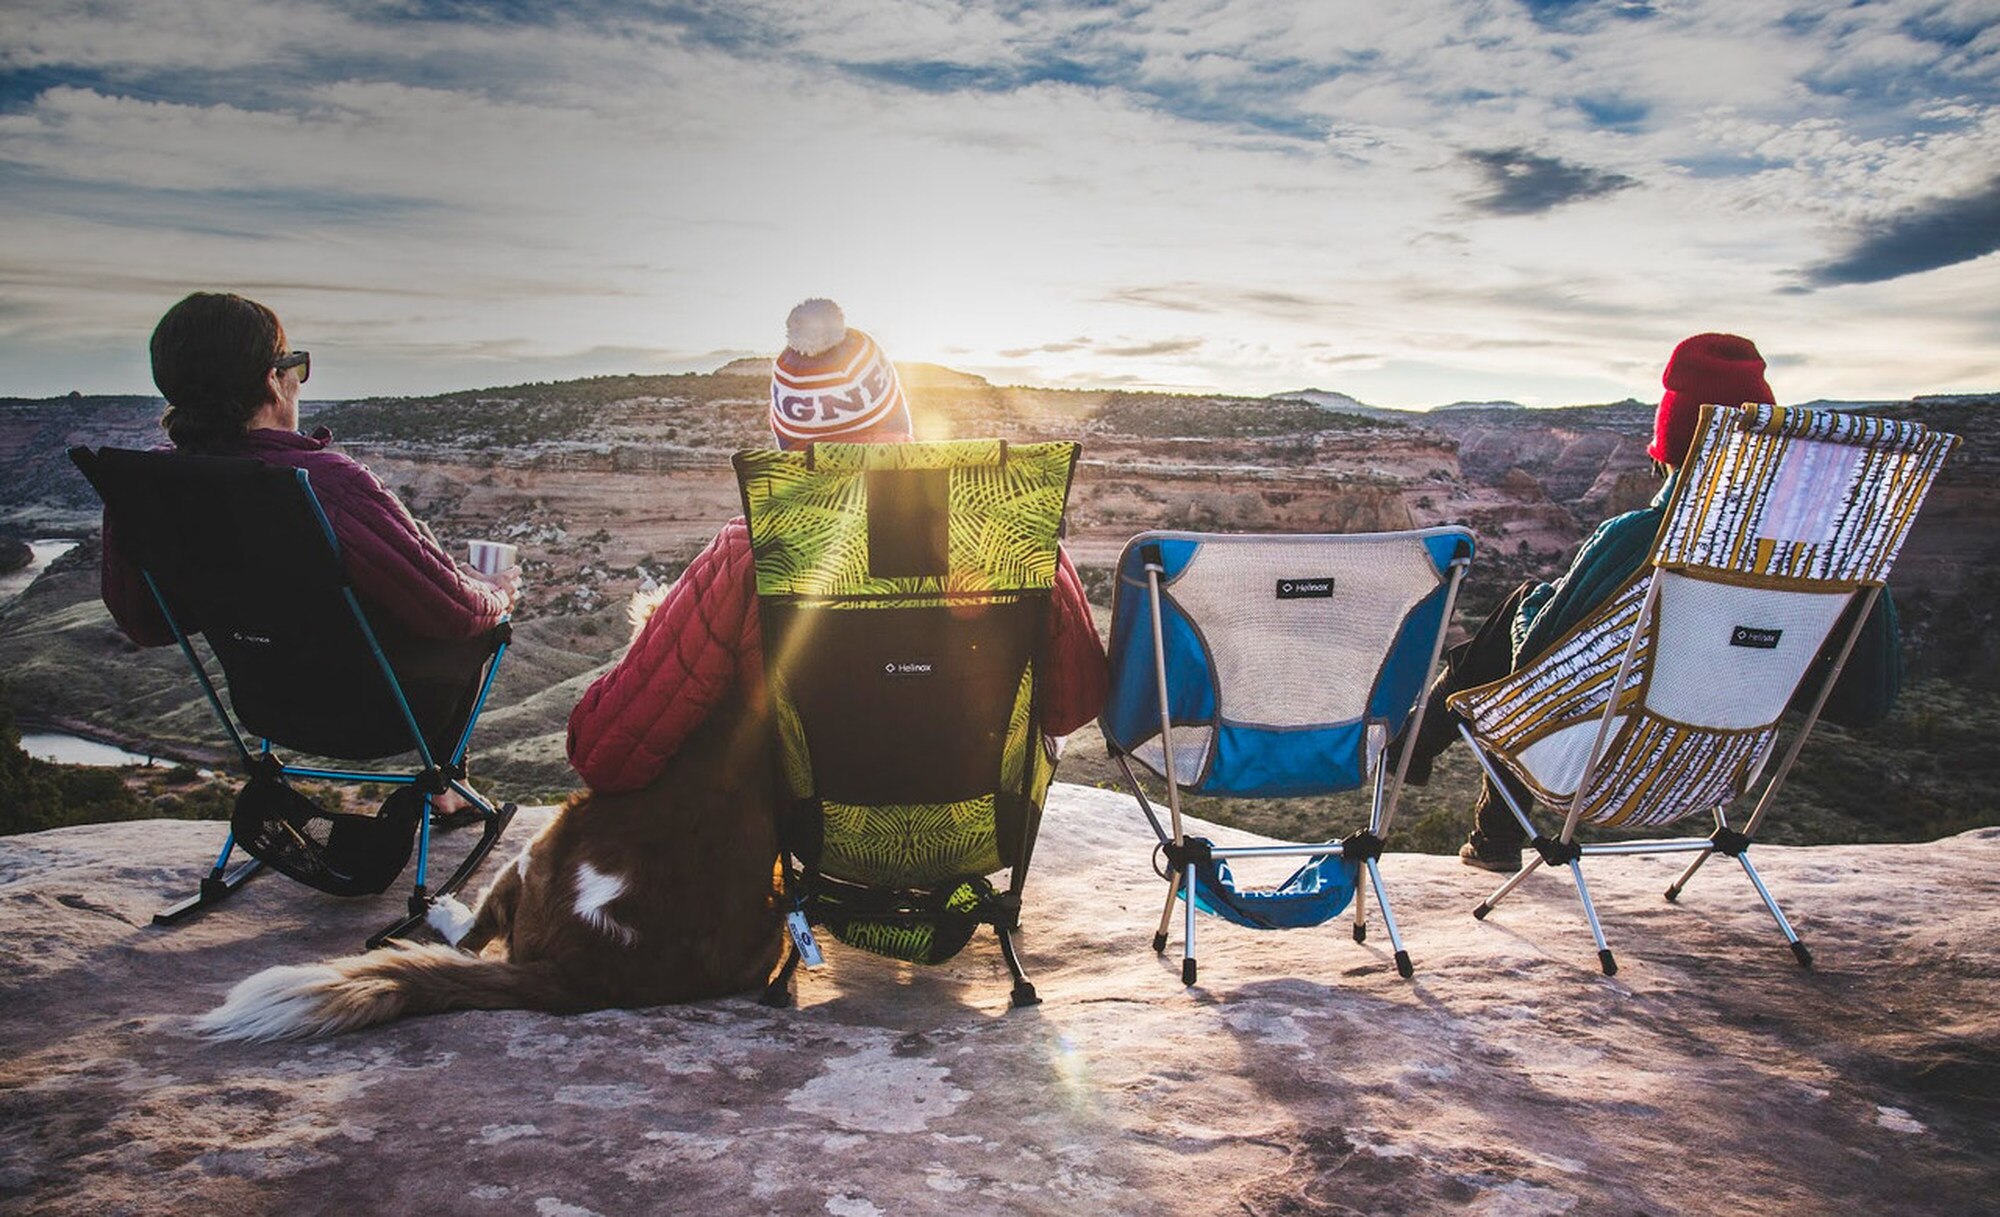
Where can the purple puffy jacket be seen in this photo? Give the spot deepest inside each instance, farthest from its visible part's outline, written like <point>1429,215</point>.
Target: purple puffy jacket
<point>397,566</point>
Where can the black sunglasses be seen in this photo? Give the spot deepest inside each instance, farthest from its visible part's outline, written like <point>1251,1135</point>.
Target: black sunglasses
<point>302,360</point>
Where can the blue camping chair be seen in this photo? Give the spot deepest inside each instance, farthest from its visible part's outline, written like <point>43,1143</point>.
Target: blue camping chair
<point>1274,666</point>
<point>241,553</point>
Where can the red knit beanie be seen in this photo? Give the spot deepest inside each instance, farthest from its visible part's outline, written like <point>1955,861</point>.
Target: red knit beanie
<point>1706,370</point>
<point>833,383</point>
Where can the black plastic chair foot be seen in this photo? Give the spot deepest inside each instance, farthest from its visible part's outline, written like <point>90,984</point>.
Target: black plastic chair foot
<point>1187,971</point>
<point>1159,944</point>
<point>1481,911</point>
<point>778,990</point>
<point>1024,995</point>
<point>1673,894</point>
<point>212,892</point>
<point>1404,967</point>
<point>400,929</point>
<point>1609,964</point>
<point>1360,932</point>
<point>1804,956</point>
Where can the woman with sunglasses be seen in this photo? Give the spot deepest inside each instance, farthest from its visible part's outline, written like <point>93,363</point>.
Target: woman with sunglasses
<point>232,387</point>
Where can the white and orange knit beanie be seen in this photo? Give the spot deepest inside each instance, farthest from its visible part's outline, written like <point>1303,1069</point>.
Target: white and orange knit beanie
<point>833,383</point>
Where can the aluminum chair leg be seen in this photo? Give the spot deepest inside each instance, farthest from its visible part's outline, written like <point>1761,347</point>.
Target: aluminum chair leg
<point>1604,958</point>
<point>1187,942</point>
<point>1166,914</point>
<point>424,841</point>
<point>1674,889</point>
<point>1403,966</point>
<point>1513,882</point>
<point>1785,927</point>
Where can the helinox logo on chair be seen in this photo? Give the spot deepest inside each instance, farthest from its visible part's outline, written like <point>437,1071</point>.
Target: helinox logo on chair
<point>1320,588</point>
<point>907,667</point>
<point>1753,636</point>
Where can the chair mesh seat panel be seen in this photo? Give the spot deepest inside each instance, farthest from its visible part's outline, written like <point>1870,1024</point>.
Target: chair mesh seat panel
<point>903,592</point>
<point>1301,662</point>
<point>1730,657</point>
<point>1280,650</point>
<point>1780,518</point>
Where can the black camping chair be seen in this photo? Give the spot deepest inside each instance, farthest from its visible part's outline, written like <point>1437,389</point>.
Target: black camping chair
<point>241,553</point>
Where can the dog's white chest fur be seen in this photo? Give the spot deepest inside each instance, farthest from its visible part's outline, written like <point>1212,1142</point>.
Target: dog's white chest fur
<point>595,890</point>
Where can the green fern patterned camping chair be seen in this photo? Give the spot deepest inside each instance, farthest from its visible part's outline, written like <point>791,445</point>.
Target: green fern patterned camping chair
<point>903,592</point>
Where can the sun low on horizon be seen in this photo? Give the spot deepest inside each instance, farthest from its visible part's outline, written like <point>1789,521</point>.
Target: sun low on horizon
<point>1444,200</point>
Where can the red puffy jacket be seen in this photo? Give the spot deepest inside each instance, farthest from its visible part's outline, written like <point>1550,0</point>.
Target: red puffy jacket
<point>396,564</point>
<point>705,635</point>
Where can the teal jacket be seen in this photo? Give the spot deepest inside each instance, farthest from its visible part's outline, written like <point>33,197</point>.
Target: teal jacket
<point>1868,684</point>
<point>1608,558</point>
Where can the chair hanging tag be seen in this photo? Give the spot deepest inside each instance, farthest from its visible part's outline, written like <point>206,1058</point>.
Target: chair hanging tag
<point>802,938</point>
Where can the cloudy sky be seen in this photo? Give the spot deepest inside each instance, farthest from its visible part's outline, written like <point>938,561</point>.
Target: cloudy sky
<point>1413,202</point>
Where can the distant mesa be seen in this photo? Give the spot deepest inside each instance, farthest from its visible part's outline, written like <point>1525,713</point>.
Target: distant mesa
<point>1957,399</point>
<point>1339,403</point>
<point>749,365</point>
<point>1322,397</point>
<point>1328,399</point>
<point>1478,405</point>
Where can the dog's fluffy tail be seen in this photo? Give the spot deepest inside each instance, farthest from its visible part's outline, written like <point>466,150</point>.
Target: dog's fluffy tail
<point>401,980</point>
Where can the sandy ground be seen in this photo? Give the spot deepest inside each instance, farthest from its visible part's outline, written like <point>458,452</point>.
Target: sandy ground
<point>1300,1076</point>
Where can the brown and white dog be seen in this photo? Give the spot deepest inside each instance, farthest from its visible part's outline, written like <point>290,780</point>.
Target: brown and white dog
<point>665,894</point>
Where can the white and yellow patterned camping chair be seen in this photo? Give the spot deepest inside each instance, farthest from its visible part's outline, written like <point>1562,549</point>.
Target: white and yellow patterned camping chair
<point>1783,519</point>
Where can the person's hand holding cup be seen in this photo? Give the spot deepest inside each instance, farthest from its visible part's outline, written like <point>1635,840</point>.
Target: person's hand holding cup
<point>497,563</point>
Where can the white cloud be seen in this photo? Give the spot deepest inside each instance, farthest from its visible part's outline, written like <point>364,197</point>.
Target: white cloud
<point>449,202</point>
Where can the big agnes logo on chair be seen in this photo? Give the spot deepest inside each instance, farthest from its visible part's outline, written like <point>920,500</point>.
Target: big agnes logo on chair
<point>1318,587</point>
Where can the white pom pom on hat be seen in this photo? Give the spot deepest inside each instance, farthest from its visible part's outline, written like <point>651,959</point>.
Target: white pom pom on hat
<point>815,326</point>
